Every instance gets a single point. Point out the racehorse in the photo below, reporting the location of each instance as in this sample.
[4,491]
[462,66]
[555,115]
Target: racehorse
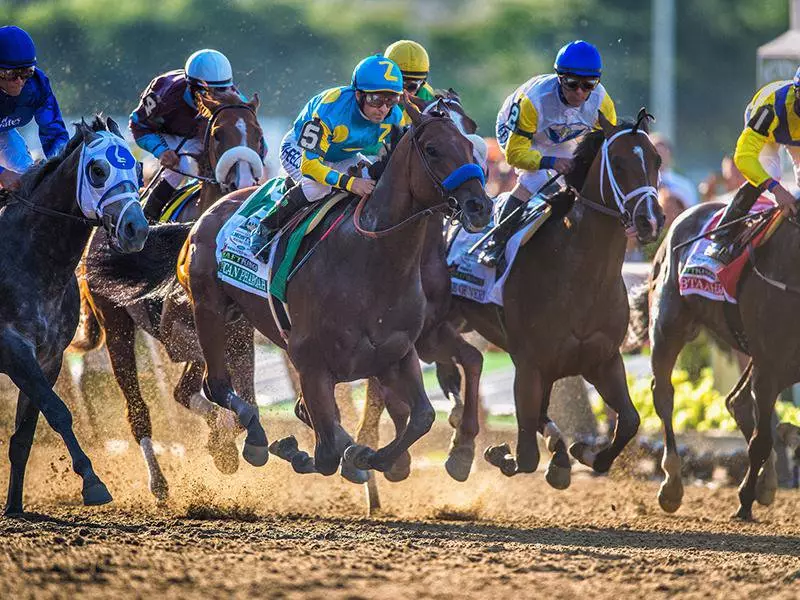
[565,310]
[766,333]
[45,231]
[111,310]
[363,321]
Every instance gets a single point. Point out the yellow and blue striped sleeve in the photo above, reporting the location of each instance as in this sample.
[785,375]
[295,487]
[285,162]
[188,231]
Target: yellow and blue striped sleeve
[758,132]
[313,167]
[609,110]
[523,120]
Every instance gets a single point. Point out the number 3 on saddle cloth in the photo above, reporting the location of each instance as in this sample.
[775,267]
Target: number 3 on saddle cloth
[703,276]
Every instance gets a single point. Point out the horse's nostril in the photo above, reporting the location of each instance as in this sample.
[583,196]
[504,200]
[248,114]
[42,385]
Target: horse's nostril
[129,230]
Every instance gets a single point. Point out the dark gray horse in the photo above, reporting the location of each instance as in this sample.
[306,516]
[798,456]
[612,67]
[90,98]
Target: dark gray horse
[44,232]
[770,333]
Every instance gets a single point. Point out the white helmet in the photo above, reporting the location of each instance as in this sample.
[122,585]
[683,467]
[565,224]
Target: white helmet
[210,68]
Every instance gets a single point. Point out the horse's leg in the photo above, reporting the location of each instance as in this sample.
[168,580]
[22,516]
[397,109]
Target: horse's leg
[399,411]
[528,394]
[320,404]
[120,343]
[18,361]
[405,380]
[760,445]
[609,380]
[208,307]
[18,451]
[449,378]
[559,469]
[368,434]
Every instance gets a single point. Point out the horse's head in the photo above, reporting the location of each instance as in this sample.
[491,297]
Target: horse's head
[234,143]
[628,175]
[442,167]
[108,185]
[449,102]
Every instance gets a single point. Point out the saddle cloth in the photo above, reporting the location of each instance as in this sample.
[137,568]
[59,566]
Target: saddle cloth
[236,264]
[182,197]
[474,281]
[703,276]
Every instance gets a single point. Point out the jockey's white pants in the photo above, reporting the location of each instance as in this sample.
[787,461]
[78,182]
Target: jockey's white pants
[187,164]
[290,161]
[533,181]
[14,153]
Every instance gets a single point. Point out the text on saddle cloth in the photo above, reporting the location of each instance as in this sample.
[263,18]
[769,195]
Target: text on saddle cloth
[704,276]
[475,281]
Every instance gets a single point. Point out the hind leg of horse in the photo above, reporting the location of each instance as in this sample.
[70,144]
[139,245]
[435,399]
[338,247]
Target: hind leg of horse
[528,395]
[610,381]
[368,435]
[120,340]
[760,445]
[405,380]
[559,469]
[18,361]
[209,318]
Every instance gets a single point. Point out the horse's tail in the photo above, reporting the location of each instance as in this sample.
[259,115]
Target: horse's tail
[90,335]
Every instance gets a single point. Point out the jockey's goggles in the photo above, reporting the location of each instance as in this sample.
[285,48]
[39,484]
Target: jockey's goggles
[378,99]
[413,85]
[23,73]
[587,84]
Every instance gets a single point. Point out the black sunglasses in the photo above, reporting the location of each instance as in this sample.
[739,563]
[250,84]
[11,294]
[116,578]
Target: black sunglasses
[573,83]
[412,85]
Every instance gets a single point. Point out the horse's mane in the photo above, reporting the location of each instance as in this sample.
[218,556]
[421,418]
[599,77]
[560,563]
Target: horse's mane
[585,154]
[36,174]
[207,103]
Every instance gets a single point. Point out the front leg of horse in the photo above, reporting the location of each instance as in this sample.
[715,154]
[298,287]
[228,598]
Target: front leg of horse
[559,469]
[528,395]
[610,381]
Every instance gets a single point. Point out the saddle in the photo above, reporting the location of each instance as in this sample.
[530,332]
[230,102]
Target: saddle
[182,197]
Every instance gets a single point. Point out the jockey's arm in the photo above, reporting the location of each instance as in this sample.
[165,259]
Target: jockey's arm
[518,150]
[757,134]
[315,139]
[144,119]
[609,111]
[52,131]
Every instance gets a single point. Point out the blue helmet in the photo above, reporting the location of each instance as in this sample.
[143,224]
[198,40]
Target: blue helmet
[796,79]
[579,58]
[16,48]
[377,73]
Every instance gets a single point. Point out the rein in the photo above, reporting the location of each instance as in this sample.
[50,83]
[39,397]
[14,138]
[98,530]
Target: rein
[459,176]
[50,212]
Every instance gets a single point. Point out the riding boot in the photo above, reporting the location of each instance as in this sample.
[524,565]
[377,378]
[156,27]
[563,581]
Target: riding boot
[159,196]
[721,250]
[508,220]
[292,201]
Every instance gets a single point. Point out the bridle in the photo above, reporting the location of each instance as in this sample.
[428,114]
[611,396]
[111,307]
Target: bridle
[445,187]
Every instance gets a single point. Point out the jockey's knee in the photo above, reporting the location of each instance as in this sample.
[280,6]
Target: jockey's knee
[314,191]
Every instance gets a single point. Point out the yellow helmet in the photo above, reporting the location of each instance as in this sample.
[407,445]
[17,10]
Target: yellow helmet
[411,57]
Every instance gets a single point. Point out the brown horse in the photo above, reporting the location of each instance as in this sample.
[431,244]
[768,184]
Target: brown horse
[112,309]
[576,321]
[357,306]
[766,333]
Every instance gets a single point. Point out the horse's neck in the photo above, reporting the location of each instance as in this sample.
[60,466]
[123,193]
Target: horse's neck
[209,194]
[53,243]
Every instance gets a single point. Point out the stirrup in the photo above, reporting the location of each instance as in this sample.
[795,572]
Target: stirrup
[491,253]
[720,252]
[260,241]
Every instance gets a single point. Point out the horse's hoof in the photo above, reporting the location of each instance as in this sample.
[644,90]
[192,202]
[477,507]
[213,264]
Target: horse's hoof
[13,510]
[494,455]
[359,456]
[584,454]
[670,497]
[459,462]
[96,494]
[285,448]
[743,514]
[558,477]
[255,455]
[226,458]
[400,469]
[353,475]
[303,463]
[455,416]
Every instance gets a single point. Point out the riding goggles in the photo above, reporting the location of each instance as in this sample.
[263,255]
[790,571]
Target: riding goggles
[413,85]
[378,99]
[572,83]
[23,73]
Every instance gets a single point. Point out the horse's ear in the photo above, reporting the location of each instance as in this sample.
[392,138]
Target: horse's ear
[418,102]
[605,124]
[87,133]
[112,126]
[254,102]
[643,120]
[411,110]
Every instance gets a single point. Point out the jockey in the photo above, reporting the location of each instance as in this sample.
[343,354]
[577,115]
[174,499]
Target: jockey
[772,120]
[328,136]
[167,116]
[25,94]
[414,64]
[540,125]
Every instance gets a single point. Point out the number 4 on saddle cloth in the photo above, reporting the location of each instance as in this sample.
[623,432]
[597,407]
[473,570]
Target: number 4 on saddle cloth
[704,276]
[236,264]
[472,279]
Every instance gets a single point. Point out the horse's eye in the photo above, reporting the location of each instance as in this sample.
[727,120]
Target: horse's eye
[431,151]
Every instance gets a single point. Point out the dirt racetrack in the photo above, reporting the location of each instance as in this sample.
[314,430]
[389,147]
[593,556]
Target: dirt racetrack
[269,533]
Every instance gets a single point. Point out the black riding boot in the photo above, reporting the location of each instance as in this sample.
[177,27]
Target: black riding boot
[292,201]
[741,204]
[508,220]
[159,196]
